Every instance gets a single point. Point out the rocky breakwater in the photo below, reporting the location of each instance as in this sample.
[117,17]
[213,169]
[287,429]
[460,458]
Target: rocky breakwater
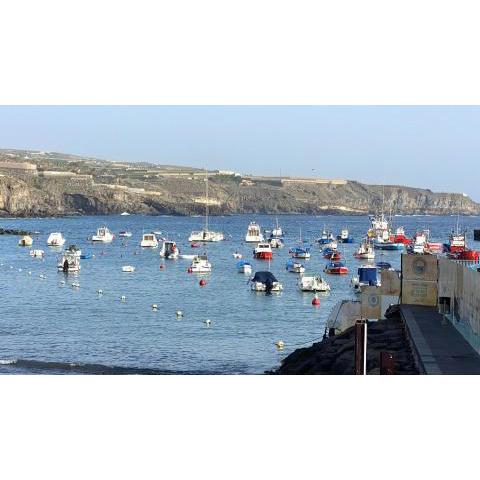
[335,355]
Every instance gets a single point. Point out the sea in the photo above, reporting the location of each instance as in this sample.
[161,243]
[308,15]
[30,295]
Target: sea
[53,323]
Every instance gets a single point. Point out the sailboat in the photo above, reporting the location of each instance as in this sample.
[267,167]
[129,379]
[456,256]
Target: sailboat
[277,232]
[206,235]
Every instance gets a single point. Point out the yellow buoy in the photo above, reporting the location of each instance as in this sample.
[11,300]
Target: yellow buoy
[280,344]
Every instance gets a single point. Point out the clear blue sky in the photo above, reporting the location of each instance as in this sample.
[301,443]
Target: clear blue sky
[432,147]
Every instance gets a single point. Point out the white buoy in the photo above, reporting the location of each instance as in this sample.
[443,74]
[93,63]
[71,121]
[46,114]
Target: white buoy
[154,307]
[29,272]
[280,344]
[123,298]
[207,322]
[19,269]
[100,291]
[179,313]
[75,285]
[42,275]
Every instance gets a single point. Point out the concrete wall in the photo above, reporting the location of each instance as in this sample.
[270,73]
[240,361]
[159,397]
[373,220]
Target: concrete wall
[419,280]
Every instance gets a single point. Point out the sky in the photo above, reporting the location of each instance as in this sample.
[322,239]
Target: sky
[436,147]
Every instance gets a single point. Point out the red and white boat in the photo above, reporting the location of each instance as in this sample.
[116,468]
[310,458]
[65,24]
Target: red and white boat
[263,251]
[336,268]
[466,255]
[457,242]
[400,237]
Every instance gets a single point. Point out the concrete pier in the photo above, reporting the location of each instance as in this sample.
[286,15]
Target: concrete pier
[437,346]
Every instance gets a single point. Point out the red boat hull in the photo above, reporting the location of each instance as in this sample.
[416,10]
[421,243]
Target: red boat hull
[263,255]
[337,271]
[400,239]
[467,255]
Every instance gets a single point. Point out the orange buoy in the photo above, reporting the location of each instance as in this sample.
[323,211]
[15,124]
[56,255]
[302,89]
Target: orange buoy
[202,282]
[316,301]
[189,270]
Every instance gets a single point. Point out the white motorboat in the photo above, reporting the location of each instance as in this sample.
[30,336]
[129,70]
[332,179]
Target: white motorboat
[37,253]
[74,250]
[169,250]
[314,283]
[200,264]
[103,235]
[276,242]
[149,240]
[124,214]
[254,233]
[294,267]
[125,234]
[25,241]
[68,263]
[300,252]
[244,267]
[237,255]
[206,235]
[55,239]
[365,251]
[265,282]
[128,268]
[263,251]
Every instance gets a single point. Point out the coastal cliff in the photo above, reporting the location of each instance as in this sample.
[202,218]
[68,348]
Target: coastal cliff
[51,184]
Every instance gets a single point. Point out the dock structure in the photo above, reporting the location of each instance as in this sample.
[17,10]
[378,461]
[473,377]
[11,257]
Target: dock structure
[437,346]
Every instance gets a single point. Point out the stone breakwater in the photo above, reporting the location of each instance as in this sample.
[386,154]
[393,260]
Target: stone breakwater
[335,355]
[10,231]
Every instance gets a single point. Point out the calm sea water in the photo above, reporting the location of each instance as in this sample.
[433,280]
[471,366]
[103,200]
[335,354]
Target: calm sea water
[47,326]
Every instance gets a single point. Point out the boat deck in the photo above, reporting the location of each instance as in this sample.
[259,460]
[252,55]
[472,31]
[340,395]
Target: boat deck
[438,346]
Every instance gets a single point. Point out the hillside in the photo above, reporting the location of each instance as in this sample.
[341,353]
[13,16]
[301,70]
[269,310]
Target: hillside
[51,184]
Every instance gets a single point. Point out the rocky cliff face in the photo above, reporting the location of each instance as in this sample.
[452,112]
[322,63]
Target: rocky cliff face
[23,197]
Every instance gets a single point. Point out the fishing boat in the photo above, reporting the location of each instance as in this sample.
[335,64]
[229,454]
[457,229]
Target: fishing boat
[276,242]
[206,235]
[263,251]
[314,283]
[336,268]
[254,233]
[326,237]
[25,241]
[244,267]
[125,234]
[379,228]
[384,266]
[367,275]
[434,247]
[400,237]
[103,235]
[344,236]
[55,239]
[128,268]
[265,282]
[380,244]
[300,252]
[294,267]
[169,250]
[149,240]
[37,253]
[466,255]
[68,263]
[200,264]
[365,251]
[419,243]
[277,231]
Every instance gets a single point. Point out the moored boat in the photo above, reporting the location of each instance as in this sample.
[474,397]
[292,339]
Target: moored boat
[466,255]
[103,235]
[365,251]
[277,231]
[254,234]
[336,268]
[244,267]
[344,236]
[37,253]
[200,264]
[367,275]
[313,283]
[294,267]
[300,252]
[263,251]
[125,234]
[25,241]
[169,250]
[149,240]
[68,263]
[55,239]
[275,242]
[265,282]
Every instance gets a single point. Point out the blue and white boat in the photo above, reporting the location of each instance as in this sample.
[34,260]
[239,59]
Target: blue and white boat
[382,245]
[300,252]
[326,237]
[344,236]
[367,275]
[294,267]
[244,267]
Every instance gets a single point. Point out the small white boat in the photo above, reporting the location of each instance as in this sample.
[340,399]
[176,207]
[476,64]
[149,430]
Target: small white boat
[187,257]
[37,253]
[55,239]
[125,234]
[294,267]
[244,267]
[300,252]
[25,241]
[169,250]
[149,240]
[265,282]
[276,243]
[206,236]
[74,250]
[277,231]
[312,283]
[237,255]
[128,268]
[365,251]
[68,263]
[124,214]
[200,264]
[103,235]
[254,234]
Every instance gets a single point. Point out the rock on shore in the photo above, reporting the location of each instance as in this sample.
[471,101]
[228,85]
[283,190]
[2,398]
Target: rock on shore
[335,355]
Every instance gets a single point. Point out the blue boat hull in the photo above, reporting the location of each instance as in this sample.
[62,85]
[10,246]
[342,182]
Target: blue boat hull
[388,246]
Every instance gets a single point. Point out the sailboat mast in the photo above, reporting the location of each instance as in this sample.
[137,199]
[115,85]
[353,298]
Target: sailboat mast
[206,199]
